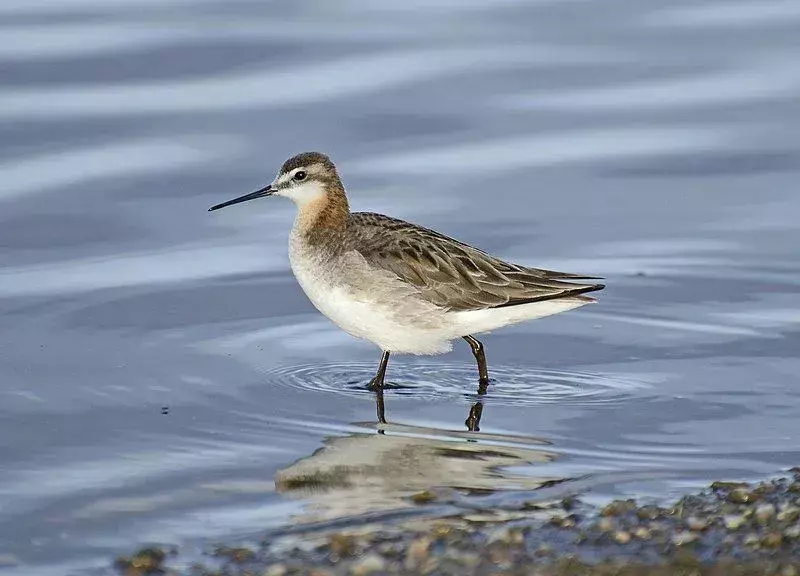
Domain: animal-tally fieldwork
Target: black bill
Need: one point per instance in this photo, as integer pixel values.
(268, 191)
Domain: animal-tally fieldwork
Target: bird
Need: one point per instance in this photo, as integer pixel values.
(406, 288)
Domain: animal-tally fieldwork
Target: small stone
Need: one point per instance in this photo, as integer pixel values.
(697, 524)
(734, 521)
(498, 535)
(144, 561)
(643, 533)
(788, 513)
(622, 537)
(368, 564)
(563, 521)
(649, 512)
(418, 552)
(764, 513)
(618, 508)
(507, 536)
(772, 540)
(569, 503)
(789, 570)
(684, 538)
(764, 489)
(516, 537)
(792, 532)
(276, 570)
(342, 545)
(423, 497)
(752, 540)
(234, 554)
(605, 525)
(721, 486)
(741, 496)
(461, 557)
(431, 566)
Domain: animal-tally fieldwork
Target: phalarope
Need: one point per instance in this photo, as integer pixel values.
(406, 288)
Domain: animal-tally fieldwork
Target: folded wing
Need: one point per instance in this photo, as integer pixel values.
(452, 274)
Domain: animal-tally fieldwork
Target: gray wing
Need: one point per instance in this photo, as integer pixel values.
(452, 274)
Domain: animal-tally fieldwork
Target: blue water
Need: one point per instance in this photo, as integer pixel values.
(161, 373)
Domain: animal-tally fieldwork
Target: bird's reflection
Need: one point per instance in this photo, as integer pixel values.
(473, 418)
(368, 472)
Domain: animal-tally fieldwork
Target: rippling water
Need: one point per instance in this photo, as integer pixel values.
(163, 378)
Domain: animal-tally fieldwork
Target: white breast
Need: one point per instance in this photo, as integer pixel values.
(370, 304)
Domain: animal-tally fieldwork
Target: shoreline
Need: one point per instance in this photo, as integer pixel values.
(727, 528)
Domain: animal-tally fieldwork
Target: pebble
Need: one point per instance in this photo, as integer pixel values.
(498, 535)
(235, 554)
(764, 513)
(649, 512)
(622, 537)
(276, 570)
(772, 540)
(697, 524)
(720, 485)
(789, 513)
(470, 559)
(751, 540)
(741, 496)
(605, 525)
(342, 545)
(792, 532)
(752, 523)
(368, 564)
(418, 552)
(684, 538)
(734, 521)
(618, 508)
(568, 503)
(563, 521)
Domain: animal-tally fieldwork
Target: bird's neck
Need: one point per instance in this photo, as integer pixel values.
(323, 220)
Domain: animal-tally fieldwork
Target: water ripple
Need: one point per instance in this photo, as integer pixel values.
(509, 385)
(516, 152)
(291, 86)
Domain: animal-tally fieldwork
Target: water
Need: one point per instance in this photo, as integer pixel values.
(163, 377)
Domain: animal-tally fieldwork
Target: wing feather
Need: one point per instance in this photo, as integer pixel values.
(452, 274)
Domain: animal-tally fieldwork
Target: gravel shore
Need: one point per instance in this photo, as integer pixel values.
(729, 528)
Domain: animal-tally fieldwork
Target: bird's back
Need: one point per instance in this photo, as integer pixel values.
(450, 273)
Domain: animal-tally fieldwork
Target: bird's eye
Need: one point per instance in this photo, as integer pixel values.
(300, 175)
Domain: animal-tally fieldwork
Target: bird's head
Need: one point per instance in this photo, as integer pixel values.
(308, 178)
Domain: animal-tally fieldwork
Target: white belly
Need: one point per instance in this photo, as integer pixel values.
(374, 308)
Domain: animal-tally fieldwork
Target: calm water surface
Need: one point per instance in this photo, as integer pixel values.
(163, 378)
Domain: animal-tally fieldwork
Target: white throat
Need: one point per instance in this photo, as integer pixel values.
(302, 193)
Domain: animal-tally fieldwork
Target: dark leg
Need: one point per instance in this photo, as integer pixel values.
(473, 421)
(377, 382)
(480, 357)
(380, 406)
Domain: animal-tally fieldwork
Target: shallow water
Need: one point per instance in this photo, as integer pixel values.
(164, 379)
